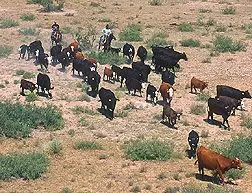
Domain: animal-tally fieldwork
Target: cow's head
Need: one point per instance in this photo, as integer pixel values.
(184, 56)
(179, 113)
(204, 85)
(236, 163)
(32, 87)
(246, 94)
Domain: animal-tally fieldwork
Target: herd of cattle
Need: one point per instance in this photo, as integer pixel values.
(164, 60)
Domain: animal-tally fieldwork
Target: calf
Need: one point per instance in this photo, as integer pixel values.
(196, 83)
(143, 69)
(108, 73)
(232, 102)
(134, 84)
(223, 90)
(152, 91)
(166, 91)
(214, 161)
(193, 140)
(108, 101)
(117, 70)
(55, 52)
(44, 60)
(128, 73)
(25, 84)
(217, 107)
(44, 82)
(129, 50)
(142, 53)
(22, 50)
(171, 115)
(168, 77)
(115, 50)
(33, 47)
(94, 80)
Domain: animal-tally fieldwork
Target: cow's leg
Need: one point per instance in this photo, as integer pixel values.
(225, 120)
(147, 98)
(140, 93)
(218, 170)
(22, 92)
(103, 77)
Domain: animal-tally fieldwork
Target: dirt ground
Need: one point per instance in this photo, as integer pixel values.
(88, 171)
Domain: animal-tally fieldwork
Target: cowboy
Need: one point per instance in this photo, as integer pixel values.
(105, 33)
(55, 26)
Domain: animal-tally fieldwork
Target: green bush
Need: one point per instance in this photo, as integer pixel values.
(20, 72)
(149, 150)
(87, 145)
(155, 2)
(66, 30)
(185, 27)
(235, 174)
(107, 58)
(246, 121)
(49, 5)
(221, 28)
(157, 39)
(202, 10)
(17, 120)
(28, 75)
(247, 28)
(27, 166)
(197, 109)
(131, 33)
(5, 51)
(190, 43)
(209, 189)
(86, 38)
(55, 146)
(104, 20)
(27, 17)
(226, 44)
(8, 23)
(229, 10)
(211, 22)
(204, 96)
(28, 31)
(31, 97)
(66, 190)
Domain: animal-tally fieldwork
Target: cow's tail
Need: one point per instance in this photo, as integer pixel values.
(195, 162)
(51, 88)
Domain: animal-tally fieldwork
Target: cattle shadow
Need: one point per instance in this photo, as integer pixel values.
(42, 94)
(62, 70)
(166, 123)
(104, 112)
(91, 93)
(214, 179)
(162, 103)
(216, 123)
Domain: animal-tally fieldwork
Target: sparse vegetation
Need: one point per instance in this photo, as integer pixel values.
(202, 10)
(2, 86)
(86, 38)
(27, 17)
(104, 20)
(83, 110)
(28, 75)
(17, 120)
(204, 133)
(83, 122)
(87, 145)
(66, 190)
(107, 58)
(246, 121)
(8, 23)
(55, 146)
(226, 44)
(172, 190)
(149, 150)
(210, 188)
(16, 81)
(27, 166)
(5, 51)
(204, 96)
(71, 132)
(28, 31)
(131, 33)
(49, 5)
(162, 176)
(211, 22)
(157, 39)
(94, 4)
(135, 189)
(229, 10)
(31, 97)
(247, 28)
(19, 72)
(190, 43)
(121, 114)
(185, 27)
(221, 28)
(66, 30)
(155, 2)
(197, 109)
(176, 177)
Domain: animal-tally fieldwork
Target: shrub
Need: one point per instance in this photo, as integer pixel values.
(87, 145)
(27, 17)
(204, 96)
(162, 176)
(135, 189)
(84, 97)
(107, 58)
(28, 31)
(211, 22)
(16, 119)
(55, 146)
(226, 44)
(93, 4)
(86, 38)
(5, 51)
(28, 75)
(66, 30)
(197, 109)
(2, 86)
(27, 166)
(202, 10)
(149, 150)
(31, 97)
(20, 72)
(79, 109)
(221, 28)
(247, 28)
(157, 39)
(131, 33)
(121, 114)
(16, 82)
(235, 174)
(49, 5)
(66, 190)
(176, 177)
(204, 133)
(246, 121)
(155, 2)
(83, 122)
(8, 23)
(172, 190)
(229, 10)
(185, 27)
(190, 43)
(104, 20)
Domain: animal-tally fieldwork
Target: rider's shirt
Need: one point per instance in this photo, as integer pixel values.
(106, 31)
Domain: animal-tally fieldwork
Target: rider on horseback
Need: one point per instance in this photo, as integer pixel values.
(55, 26)
(105, 33)
(56, 34)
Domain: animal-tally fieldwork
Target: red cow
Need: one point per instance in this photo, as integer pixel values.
(166, 91)
(74, 45)
(108, 73)
(196, 83)
(214, 161)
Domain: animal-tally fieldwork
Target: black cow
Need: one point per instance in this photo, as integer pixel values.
(217, 107)
(33, 47)
(64, 59)
(168, 77)
(232, 102)
(84, 66)
(115, 50)
(22, 50)
(142, 53)
(229, 91)
(44, 82)
(193, 140)
(134, 84)
(43, 59)
(128, 73)
(143, 69)
(25, 84)
(152, 91)
(108, 101)
(129, 50)
(117, 70)
(165, 62)
(94, 80)
(55, 52)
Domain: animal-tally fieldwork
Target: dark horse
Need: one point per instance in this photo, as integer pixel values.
(107, 44)
(56, 37)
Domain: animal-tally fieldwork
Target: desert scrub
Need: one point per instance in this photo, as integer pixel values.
(246, 121)
(107, 58)
(155, 2)
(31, 97)
(28, 31)
(220, 28)
(185, 27)
(197, 109)
(8, 23)
(209, 189)
(204, 96)
(229, 10)
(54, 146)
(49, 5)
(149, 150)
(19, 72)
(27, 166)
(158, 38)
(66, 30)
(17, 120)
(226, 44)
(28, 75)
(104, 20)
(87, 145)
(83, 110)
(5, 51)
(131, 33)
(27, 17)
(190, 43)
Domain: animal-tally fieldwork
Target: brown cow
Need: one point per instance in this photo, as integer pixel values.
(166, 91)
(108, 73)
(79, 55)
(74, 45)
(196, 83)
(25, 84)
(214, 161)
(171, 114)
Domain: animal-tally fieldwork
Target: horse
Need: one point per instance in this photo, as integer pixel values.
(107, 44)
(56, 37)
